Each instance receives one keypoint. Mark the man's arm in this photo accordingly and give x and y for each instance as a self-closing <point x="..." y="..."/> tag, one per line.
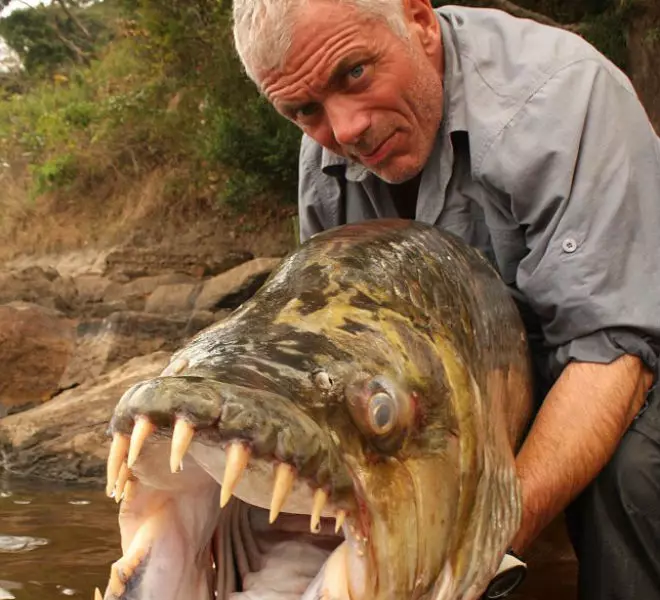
<point x="574" y="435"/>
<point x="579" y="168"/>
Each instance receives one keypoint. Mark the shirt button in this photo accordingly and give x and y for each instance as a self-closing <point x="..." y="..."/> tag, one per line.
<point x="569" y="245"/>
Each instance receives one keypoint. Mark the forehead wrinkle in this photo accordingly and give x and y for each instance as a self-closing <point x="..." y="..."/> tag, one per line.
<point x="317" y="72"/>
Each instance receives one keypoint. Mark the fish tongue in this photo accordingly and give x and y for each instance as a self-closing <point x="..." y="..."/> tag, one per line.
<point x="285" y="573"/>
<point x="288" y="568"/>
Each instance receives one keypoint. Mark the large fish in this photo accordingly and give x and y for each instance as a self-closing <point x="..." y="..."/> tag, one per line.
<point x="347" y="434"/>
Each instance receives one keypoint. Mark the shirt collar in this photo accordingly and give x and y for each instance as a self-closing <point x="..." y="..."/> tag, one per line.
<point x="453" y="112"/>
<point x="335" y="165"/>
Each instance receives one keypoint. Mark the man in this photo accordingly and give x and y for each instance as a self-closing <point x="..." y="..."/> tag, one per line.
<point x="530" y="145"/>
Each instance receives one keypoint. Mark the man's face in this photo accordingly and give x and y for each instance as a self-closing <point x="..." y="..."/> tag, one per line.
<point x="358" y="89"/>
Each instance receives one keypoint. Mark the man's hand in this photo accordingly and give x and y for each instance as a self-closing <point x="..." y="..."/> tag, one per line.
<point x="574" y="435"/>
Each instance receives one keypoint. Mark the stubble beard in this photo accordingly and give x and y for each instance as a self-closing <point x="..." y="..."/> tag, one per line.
<point x="426" y="95"/>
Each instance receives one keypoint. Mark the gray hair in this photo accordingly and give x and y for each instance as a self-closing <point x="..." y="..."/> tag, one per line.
<point x="263" y="28"/>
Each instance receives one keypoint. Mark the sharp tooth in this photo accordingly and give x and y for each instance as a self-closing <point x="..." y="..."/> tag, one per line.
<point x="116" y="584"/>
<point x="142" y="430"/>
<point x="181" y="437"/>
<point x="284" y="478"/>
<point x="97" y="594"/>
<point x="320" y="498"/>
<point x="121" y="482"/>
<point x="341" y="517"/>
<point x="116" y="456"/>
<point x="238" y="457"/>
<point x="136" y="554"/>
<point x="335" y="577"/>
<point x="123" y="569"/>
<point x="129" y="491"/>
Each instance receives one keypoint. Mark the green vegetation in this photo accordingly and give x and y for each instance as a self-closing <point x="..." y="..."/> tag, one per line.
<point x="157" y="85"/>
<point x="47" y="37"/>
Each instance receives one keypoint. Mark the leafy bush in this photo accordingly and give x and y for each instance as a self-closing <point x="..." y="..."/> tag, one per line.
<point x="233" y="129"/>
<point x="258" y="146"/>
<point x="46" y="37"/>
<point x="167" y="90"/>
<point x="55" y="173"/>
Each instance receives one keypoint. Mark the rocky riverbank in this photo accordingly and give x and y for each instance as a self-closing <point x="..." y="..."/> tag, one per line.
<point x="76" y="331"/>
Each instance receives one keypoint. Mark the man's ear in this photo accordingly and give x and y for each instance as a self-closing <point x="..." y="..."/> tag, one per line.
<point x="423" y="24"/>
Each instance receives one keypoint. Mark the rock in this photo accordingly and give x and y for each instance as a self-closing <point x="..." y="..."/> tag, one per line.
<point x="104" y="344"/>
<point x="82" y="366"/>
<point x="20" y="543"/>
<point x="206" y="318"/>
<point x="74" y="263"/>
<point x="173" y="299"/>
<point x="91" y="288"/>
<point x="35" y="347"/>
<point x="231" y="289"/>
<point x="101" y="310"/>
<point x="65" y="439"/>
<point x="38" y="285"/>
<point x="135" y="292"/>
<point x="138" y="262"/>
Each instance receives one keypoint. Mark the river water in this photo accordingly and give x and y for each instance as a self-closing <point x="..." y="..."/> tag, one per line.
<point x="77" y="528"/>
<point x="72" y="540"/>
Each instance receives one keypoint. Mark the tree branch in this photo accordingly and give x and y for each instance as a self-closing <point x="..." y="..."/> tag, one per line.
<point x="81" y="55"/>
<point x="74" y="19"/>
<point x="24" y="4"/>
<point x="525" y="13"/>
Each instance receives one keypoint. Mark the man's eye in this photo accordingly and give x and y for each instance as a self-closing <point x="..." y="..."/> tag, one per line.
<point x="308" y="110"/>
<point x="356" y="72"/>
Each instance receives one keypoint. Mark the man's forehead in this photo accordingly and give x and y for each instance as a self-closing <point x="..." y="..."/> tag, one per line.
<point x="321" y="41"/>
<point x="323" y="20"/>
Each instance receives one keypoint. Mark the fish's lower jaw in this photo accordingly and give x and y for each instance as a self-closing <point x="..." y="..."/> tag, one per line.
<point x="155" y="527"/>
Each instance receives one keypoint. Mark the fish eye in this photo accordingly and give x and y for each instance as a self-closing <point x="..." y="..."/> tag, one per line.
<point x="382" y="413"/>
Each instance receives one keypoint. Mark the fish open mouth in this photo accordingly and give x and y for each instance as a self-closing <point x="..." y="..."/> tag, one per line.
<point x="230" y="493"/>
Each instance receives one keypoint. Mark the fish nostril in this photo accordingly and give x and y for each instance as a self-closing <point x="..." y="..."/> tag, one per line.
<point x="322" y="380"/>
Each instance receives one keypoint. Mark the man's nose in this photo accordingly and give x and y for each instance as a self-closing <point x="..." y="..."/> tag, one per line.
<point x="348" y="121"/>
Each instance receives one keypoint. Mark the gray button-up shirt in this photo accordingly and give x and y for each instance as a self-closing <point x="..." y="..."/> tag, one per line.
<point x="547" y="162"/>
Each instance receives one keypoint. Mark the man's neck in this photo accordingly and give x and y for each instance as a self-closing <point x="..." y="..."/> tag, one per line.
<point x="405" y="197"/>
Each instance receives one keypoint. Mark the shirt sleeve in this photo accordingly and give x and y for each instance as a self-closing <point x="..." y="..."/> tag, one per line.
<point x="578" y="167"/>
<point x="319" y="195"/>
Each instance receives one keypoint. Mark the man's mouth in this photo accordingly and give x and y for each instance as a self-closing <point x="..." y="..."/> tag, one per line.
<point x="379" y="153"/>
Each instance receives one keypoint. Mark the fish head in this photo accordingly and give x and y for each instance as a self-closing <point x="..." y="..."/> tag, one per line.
<point x="345" y="434"/>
